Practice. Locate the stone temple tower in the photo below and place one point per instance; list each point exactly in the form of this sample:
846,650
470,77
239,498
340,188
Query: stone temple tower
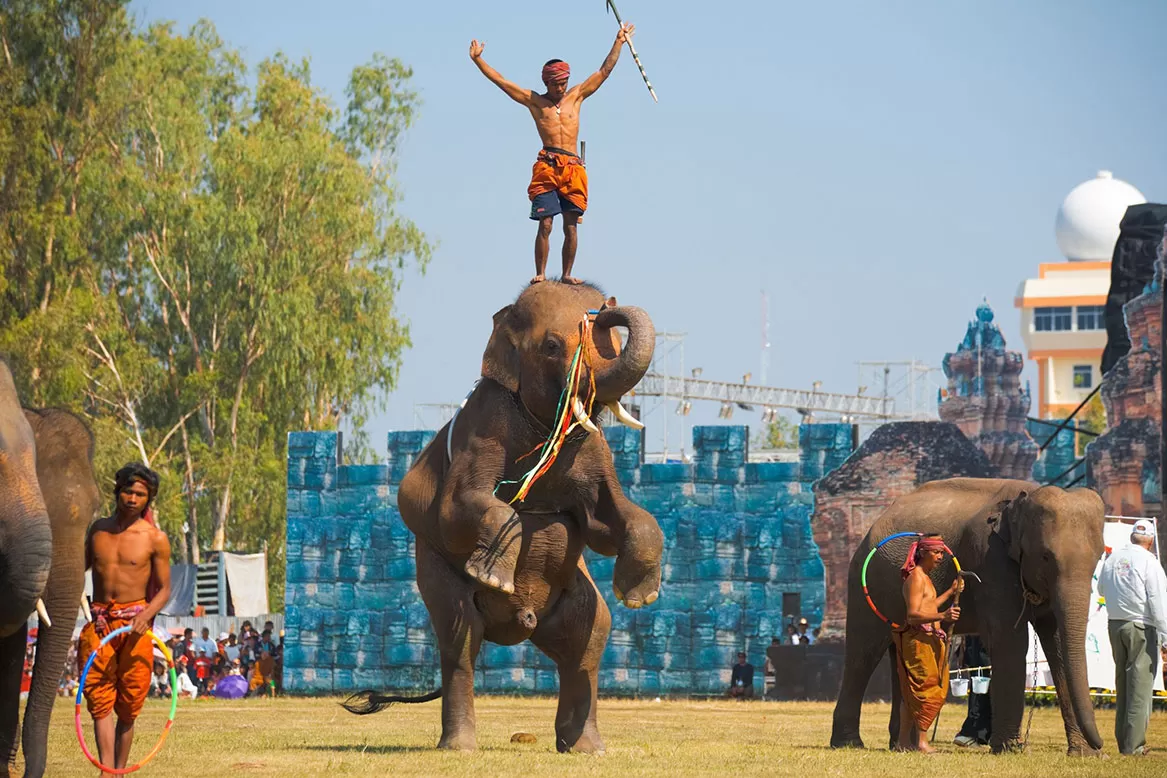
985,398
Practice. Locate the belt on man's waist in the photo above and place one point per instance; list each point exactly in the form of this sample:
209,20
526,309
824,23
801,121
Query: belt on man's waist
554,150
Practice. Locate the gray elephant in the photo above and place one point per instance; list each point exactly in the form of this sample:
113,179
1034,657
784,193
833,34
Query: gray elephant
490,570
1035,550
48,497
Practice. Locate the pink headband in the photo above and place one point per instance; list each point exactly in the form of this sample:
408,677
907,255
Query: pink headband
556,71
923,544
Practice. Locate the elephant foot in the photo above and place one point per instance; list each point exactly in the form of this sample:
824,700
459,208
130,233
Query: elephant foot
634,581
459,741
492,563
1083,750
847,741
589,742
1011,746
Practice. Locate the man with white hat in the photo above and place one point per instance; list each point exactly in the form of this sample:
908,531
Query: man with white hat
1135,589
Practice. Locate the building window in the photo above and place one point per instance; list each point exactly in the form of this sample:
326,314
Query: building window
791,606
1083,376
1090,317
1055,319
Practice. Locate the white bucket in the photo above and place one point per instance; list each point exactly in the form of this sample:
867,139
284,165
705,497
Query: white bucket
980,684
959,687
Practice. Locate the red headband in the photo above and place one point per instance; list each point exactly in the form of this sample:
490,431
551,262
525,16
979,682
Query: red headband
556,71
923,544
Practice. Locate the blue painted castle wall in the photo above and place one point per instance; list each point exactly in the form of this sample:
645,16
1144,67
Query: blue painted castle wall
737,537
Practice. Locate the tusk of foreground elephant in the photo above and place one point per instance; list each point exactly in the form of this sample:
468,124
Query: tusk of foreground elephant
85,607
43,613
624,417
582,417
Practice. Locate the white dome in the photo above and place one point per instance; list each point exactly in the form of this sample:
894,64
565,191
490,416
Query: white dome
1087,223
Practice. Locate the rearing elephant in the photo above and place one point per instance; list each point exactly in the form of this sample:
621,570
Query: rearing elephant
44,512
490,570
1035,550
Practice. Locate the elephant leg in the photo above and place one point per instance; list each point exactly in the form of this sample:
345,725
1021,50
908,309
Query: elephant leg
450,600
1007,646
477,523
12,648
894,725
637,540
574,636
1046,628
868,642
62,598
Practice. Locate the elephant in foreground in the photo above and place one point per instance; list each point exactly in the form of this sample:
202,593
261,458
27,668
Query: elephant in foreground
48,497
1035,550
490,570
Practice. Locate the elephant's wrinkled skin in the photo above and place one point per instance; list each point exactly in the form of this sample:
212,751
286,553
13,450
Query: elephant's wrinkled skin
450,505
1006,531
58,498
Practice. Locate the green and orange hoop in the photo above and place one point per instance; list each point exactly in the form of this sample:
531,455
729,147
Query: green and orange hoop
169,721
870,554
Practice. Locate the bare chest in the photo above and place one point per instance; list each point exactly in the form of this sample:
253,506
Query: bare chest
127,550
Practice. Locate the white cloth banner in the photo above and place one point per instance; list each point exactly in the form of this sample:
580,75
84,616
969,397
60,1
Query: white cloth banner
1099,659
247,580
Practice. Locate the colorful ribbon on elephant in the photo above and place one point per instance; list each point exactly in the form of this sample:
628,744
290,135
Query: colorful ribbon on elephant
870,554
565,421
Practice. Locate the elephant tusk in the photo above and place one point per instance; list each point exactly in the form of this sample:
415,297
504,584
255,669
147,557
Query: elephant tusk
623,416
43,613
582,417
85,607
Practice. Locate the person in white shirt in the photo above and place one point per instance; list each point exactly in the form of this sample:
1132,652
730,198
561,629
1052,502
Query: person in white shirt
1134,587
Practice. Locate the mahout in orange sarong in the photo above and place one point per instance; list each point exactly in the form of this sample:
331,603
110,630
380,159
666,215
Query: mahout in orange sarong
922,659
119,679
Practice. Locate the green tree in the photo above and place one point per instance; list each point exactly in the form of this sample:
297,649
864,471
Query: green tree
202,266
781,433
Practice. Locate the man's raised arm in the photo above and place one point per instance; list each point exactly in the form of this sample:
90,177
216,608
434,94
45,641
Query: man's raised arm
514,91
592,83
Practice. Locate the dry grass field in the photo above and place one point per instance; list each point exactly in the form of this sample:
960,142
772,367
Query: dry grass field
294,737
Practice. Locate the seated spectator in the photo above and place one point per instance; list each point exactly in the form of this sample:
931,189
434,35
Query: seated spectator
263,674
160,681
186,687
231,649
803,638
792,636
741,682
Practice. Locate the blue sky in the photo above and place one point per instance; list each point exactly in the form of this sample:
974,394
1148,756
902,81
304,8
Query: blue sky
876,168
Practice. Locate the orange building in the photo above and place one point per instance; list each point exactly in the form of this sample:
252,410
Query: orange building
1062,325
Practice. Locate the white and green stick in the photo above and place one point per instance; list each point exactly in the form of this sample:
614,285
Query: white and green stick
635,57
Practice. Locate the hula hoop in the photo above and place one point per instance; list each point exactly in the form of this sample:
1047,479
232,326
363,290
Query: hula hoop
870,554
169,721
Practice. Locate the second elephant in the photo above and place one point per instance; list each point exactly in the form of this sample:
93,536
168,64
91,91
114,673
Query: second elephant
1035,550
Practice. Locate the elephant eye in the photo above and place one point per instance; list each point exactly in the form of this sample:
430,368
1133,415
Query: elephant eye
552,346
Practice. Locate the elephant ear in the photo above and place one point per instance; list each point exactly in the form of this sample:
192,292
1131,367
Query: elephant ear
500,361
1006,521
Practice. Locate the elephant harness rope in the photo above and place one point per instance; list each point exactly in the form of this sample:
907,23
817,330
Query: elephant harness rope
565,417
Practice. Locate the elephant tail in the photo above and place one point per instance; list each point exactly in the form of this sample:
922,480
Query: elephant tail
369,701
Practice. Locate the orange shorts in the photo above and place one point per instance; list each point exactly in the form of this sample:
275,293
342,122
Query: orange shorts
119,679
559,182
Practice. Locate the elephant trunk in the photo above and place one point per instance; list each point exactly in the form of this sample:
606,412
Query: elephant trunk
617,377
1072,606
26,553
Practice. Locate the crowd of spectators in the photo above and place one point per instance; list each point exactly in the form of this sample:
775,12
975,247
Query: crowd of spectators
201,662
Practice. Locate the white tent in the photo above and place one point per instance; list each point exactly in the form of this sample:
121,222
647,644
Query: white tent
1099,660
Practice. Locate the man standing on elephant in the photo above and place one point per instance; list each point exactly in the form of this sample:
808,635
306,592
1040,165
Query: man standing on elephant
559,183
1135,589
921,645
129,557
